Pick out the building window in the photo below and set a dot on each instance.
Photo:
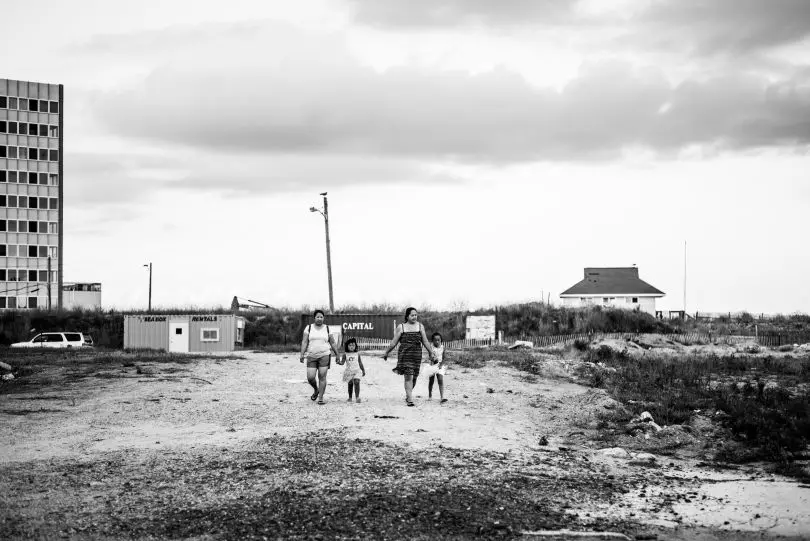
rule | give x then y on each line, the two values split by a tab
43	276
42	251
53	131
53	228
2	302
54	107
33	105
32	251
43	227
3	102
3	126
32	179
12	127
43	179
3	151
12	176
12	152
32	302
3	226
23	128
32	128
12	249
32	203
32	226
3	177
53	155
43	154
209	335
12	302
43	204
43	106
12	275
3	201
43	130
32	154
23	204
2	250
53	179
2	275
12	225
52	252
23	106
12	103
54	203
12	201
32	276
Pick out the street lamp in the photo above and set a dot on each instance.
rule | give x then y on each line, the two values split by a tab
150	285
325	214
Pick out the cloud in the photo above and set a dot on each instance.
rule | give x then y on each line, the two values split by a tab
307	95
704	27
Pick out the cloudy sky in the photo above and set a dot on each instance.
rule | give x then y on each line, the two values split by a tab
475	151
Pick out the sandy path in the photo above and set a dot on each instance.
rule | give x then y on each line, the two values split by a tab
224	402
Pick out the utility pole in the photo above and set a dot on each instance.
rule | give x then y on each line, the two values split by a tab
49	283
325	214
150	285
684	279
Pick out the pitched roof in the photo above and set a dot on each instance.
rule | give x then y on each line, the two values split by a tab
612	281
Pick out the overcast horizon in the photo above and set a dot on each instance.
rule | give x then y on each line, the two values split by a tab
518	142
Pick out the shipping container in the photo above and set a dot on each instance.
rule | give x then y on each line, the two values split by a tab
197	333
344	326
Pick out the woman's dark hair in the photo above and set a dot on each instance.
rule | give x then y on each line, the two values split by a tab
434	335
408	311
350	341
318	311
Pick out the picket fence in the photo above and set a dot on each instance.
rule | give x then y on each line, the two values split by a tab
769	340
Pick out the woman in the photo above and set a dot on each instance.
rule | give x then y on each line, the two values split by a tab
316	348
411	337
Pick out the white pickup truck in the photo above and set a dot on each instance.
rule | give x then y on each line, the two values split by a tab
53	340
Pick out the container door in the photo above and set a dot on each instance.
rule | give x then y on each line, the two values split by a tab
178	337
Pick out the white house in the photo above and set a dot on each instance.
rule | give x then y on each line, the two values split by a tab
616	287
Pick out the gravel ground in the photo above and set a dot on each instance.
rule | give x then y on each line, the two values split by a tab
234	449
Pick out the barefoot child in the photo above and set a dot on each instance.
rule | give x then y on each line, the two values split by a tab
436	370
354	368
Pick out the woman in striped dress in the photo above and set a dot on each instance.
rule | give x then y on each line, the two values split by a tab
411	337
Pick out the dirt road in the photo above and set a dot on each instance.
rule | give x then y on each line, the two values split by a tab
234	448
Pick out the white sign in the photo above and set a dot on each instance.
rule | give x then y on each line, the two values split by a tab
480	327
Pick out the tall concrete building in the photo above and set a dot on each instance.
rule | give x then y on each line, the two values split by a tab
31	190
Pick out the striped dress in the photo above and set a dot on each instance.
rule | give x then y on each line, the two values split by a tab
409	357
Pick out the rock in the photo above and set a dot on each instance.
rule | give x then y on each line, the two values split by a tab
543	441
490	390
7	377
616	452
645	416
4	366
644	457
522	344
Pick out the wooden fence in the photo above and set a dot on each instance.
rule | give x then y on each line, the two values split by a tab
769	340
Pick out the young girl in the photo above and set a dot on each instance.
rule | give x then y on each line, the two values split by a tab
354	368
436	368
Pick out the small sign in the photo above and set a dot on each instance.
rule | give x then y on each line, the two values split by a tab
480	328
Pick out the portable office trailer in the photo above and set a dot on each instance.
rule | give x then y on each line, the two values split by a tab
184	333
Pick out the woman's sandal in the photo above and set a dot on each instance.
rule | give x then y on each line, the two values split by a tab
314	397
321	402
442	401
410	403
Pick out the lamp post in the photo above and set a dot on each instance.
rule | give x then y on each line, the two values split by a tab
150	285
325	214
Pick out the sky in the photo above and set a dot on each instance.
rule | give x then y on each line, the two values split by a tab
475	152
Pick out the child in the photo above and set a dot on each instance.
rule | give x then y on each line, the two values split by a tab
354	368
436	369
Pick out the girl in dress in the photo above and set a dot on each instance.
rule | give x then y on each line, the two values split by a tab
354	369
411	337
436	369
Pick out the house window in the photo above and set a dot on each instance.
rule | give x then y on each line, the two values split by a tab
635	299
209	335
605	299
